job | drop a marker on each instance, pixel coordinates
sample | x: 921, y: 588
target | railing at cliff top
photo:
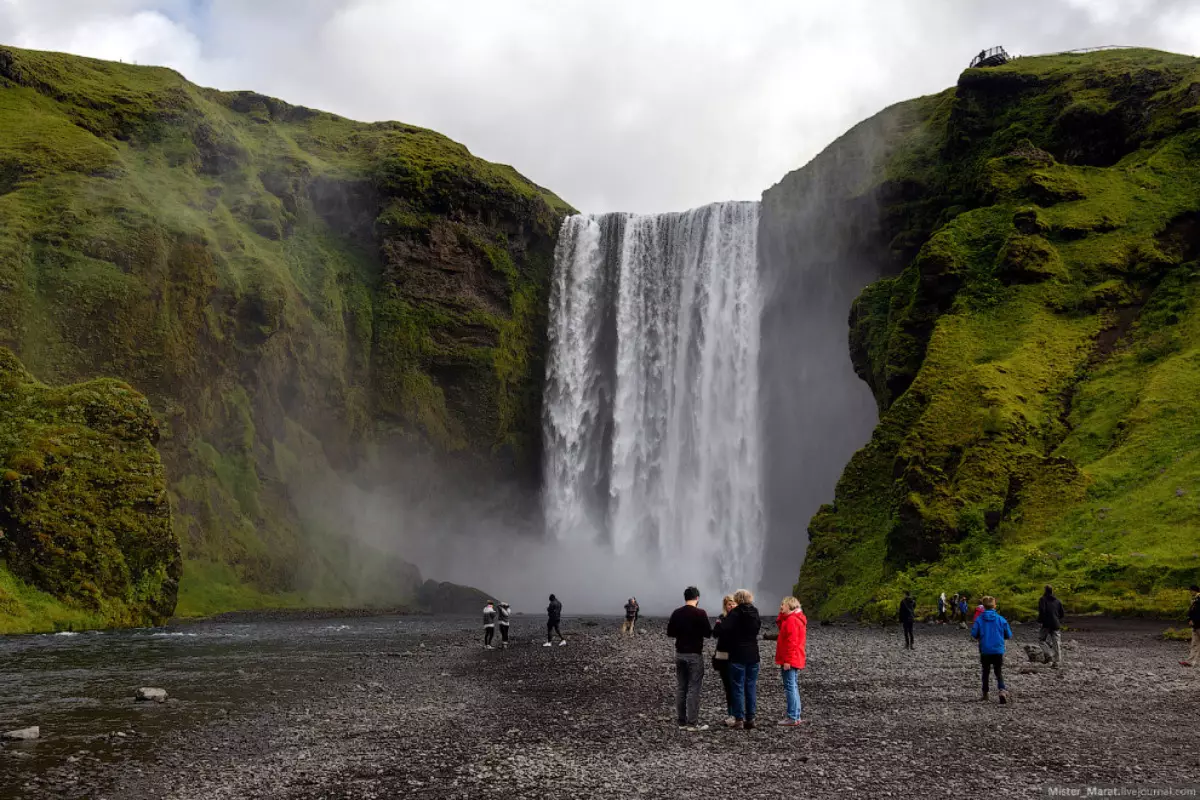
x: 996, y: 56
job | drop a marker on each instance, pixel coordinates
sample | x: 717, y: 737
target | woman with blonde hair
x: 740, y: 635
x: 789, y: 654
x: 720, y: 659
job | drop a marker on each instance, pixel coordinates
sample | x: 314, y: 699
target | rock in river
x: 23, y: 734
x: 148, y: 694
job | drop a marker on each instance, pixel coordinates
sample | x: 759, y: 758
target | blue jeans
x: 743, y: 682
x: 792, y: 689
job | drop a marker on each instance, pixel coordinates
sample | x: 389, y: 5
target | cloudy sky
x: 638, y: 105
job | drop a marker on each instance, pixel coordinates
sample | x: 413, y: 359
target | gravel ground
x: 446, y: 719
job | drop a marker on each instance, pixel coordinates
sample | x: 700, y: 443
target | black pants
x: 552, y: 628
x: 689, y: 677
x: 908, y: 633
x: 504, y: 633
x: 488, y: 632
x: 992, y: 662
x: 721, y: 665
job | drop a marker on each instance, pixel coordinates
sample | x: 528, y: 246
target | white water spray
x: 652, y: 415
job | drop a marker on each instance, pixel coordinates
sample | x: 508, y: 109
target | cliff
x: 296, y: 294
x: 1034, y: 352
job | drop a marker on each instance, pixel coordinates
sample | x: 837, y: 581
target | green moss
x: 254, y: 267
x: 1032, y: 361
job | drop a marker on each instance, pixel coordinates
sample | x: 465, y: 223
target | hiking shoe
x: 563, y: 643
x: 545, y: 644
x: 790, y: 723
x: 1003, y: 698
x: 749, y: 725
x: 738, y: 725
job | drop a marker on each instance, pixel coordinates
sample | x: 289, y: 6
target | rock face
x: 451, y: 598
x: 1034, y: 358
x: 298, y: 295
x: 84, y: 515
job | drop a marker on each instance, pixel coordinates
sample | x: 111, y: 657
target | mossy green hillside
x: 291, y: 290
x: 1037, y: 358
x: 85, y: 522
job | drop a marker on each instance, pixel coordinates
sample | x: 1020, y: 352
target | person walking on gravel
x: 1050, y: 615
x: 504, y: 619
x: 908, y: 617
x: 789, y: 655
x: 631, y: 611
x: 689, y: 627
x: 942, y: 608
x: 1194, y: 620
x: 489, y: 625
x: 963, y: 606
x: 740, y: 630
x: 720, y: 659
x: 991, y: 630
x: 553, y: 618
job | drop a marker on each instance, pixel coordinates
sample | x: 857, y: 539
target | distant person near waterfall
x: 504, y: 618
x: 1193, y: 616
x: 553, y: 618
x: 689, y: 627
x: 489, y: 625
x: 631, y: 613
x: 908, y: 616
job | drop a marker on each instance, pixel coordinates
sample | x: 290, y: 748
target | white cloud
x: 637, y: 106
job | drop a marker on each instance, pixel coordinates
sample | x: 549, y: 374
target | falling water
x: 652, y: 427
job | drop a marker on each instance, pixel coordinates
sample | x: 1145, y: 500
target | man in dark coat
x: 1050, y: 615
x: 553, y: 617
x: 908, y: 615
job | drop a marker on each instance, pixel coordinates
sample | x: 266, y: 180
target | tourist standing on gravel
x: 504, y: 618
x: 942, y: 608
x: 908, y: 616
x: 489, y: 625
x: 991, y: 630
x: 631, y: 611
x: 740, y: 635
x: 1194, y: 620
x: 553, y: 617
x: 689, y: 627
x: 789, y: 655
x: 963, y: 606
x: 1050, y: 615
x: 720, y: 659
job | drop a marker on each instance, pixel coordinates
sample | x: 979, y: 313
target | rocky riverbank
x: 416, y: 708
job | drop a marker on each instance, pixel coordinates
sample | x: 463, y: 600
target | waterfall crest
x: 651, y: 401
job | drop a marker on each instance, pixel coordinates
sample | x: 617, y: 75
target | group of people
x: 735, y: 657
x: 494, y: 615
x: 957, y: 608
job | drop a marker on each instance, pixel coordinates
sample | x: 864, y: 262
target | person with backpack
x: 553, y: 618
x: 504, y: 619
x: 631, y: 611
x: 991, y: 631
x: 789, y: 655
x: 489, y: 625
x: 962, y: 608
x: 1050, y: 616
x: 908, y: 617
x: 739, y: 631
x: 1193, y: 616
x: 689, y: 627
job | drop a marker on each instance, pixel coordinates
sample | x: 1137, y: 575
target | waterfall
x: 651, y: 402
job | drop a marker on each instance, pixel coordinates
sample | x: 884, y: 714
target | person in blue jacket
x: 991, y: 630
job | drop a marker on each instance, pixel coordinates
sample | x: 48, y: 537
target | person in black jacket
x: 553, y: 617
x: 689, y: 626
x: 1050, y: 615
x: 1194, y: 620
x: 739, y: 633
x: 720, y: 659
x: 908, y: 615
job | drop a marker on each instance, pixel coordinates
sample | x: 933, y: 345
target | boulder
x: 147, y: 695
x: 24, y: 734
x: 1036, y: 654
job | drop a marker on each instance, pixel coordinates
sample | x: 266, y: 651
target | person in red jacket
x: 789, y: 654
